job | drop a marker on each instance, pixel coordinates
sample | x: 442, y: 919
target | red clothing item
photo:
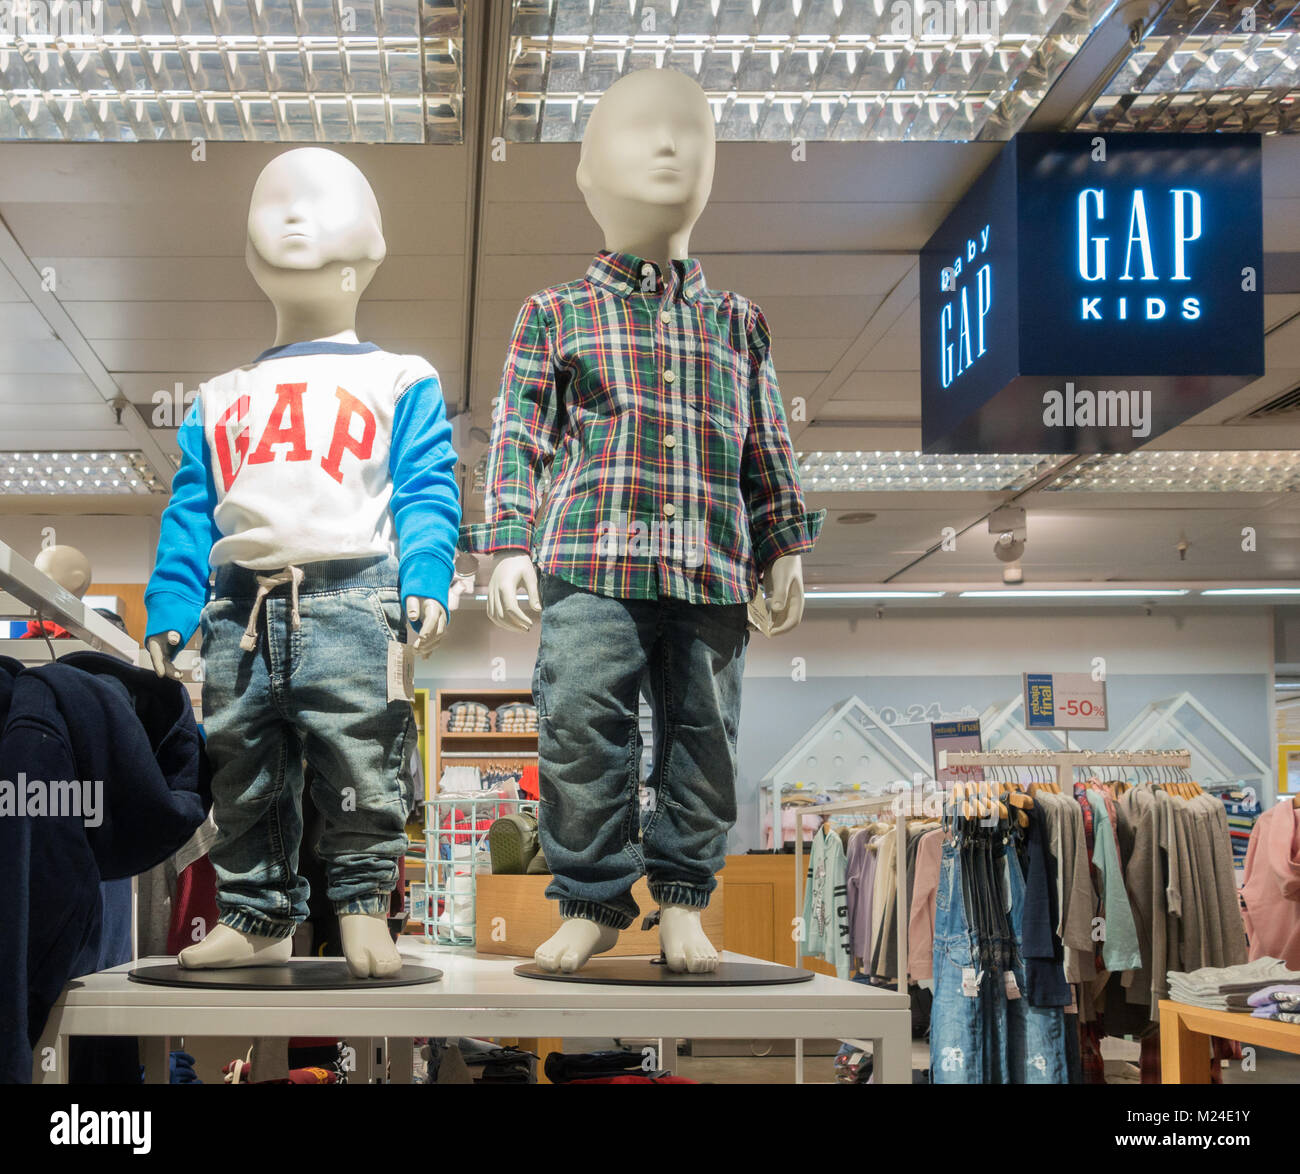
x: 36, y: 630
x: 1272, y: 889
x: 196, y: 897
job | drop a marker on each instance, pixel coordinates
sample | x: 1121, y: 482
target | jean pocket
x: 539, y: 690
x: 387, y: 609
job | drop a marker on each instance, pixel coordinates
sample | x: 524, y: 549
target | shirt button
x: 670, y: 441
x: 669, y: 510
x: 664, y: 316
x: 669, y: 376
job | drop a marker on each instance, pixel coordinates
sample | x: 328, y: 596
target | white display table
x: 477, y: 996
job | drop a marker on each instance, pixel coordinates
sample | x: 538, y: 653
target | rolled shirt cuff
x: 489, y: 537
x: 426, y: 576
x: 169, y: 612
x: 794, y: 535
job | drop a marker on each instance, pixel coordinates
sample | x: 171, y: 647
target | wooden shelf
x: 455, y: 747
x: 490, y: 735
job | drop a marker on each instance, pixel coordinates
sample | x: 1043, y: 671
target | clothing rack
x: 1064, y: 762
x: 890, y: 802
x: 25, y: 594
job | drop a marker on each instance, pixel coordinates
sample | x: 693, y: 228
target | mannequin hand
x: 512, y: 572
x: 783, y: 586
x: 428, y: 623
x: 161, y: 654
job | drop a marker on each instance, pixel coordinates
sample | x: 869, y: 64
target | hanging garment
x: 1272, y: 889
x: 826, y: 904
x: 920, y: 926
x: 86, y: 717
x: 1120, y: 949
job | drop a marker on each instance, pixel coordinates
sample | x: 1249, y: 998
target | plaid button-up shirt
x: 654, y: 407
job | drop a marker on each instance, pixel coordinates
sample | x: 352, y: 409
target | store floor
x: 1121, y: 1058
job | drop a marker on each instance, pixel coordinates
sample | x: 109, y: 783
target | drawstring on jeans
x: 265, y: 585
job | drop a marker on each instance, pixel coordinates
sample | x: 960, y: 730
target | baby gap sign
x: 1091, y: 292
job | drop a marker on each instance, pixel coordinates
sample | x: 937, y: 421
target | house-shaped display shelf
x: 847, y: 749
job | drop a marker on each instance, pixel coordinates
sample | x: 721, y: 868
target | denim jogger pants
x: 315, y: 689
x: 594, y: 653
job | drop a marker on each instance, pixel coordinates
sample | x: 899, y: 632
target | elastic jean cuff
x: 251, y: 923
x: 371, y: 903
x: 677, y: 893
x: 594, y: 911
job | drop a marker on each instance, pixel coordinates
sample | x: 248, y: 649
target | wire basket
x: 456, y: 851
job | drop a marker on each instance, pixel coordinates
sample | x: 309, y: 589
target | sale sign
x: 1064, y: 701
x: 958, y: 735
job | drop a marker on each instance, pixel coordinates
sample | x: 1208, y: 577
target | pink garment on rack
x: 1272, y: 889
x: 920, y: 924
x: 810, y: 824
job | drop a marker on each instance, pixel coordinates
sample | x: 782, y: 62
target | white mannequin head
x: 315, y: 240
x: 646, y: 166
x: 67, y: 566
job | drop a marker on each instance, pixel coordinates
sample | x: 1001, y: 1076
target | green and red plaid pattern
x: 654, y: 407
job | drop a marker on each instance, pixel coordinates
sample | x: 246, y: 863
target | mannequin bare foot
x: 368, y: 946
x: 573, y: 944
x: 225, y: 948
x: 683, y: 941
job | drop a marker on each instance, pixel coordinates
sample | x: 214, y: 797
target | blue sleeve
x: 426, y: 502
x: 178, y: 587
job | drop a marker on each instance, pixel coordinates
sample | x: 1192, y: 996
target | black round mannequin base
x: 649, y: 972
x: 304, y: 976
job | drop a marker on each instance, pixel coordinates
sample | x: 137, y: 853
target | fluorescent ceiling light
x: 58, y: 473
x: 1253, y: 471
x: 894, y: 471
x: 1200, y: 69
x: 1251, y: 591
x: 875, y: 594
x: 800, y: 69
x: 1075, y: 593
x: 314, y: 71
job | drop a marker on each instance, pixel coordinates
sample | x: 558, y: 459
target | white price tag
x: 401, y: 672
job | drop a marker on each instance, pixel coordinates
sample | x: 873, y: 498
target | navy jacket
x: 91, y: 717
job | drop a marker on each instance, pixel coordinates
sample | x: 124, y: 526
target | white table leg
x: 155, y: 1052
x: 401, y: 1060
x: 50, y: 1056
x: 892, y: 1055
x: 798, y: 1061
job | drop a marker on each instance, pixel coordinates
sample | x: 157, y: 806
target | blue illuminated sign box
x: 1091, y: 292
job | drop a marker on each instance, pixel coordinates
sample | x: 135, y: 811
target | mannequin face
x: 311, y: 210
x: 647, y: 155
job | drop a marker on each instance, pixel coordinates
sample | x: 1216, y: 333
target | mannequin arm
x: 783, y: 585
x: 779, y: 521
x: 514, y: 570
x: 525, y: 428
x: 425, y: 502
x: 428, y: 620
x: 178, y: 586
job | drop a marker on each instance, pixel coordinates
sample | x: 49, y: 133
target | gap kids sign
x: 1092, y: 291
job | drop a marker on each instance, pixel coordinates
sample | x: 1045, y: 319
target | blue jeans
x: 315, y: 690
x: 1035, y: 1035
x: 594, y: 654
x: 958, y: 1035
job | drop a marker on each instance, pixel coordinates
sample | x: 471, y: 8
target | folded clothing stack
x: 516, y: 717
x: 1280, y: 1001
x: 468, y: 717
x: 1224, y: 988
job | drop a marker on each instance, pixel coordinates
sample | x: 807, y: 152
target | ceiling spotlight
x: 1009, y: 548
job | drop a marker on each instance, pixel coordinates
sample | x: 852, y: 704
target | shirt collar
x: 317, y: 347
x: 625, y: 274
